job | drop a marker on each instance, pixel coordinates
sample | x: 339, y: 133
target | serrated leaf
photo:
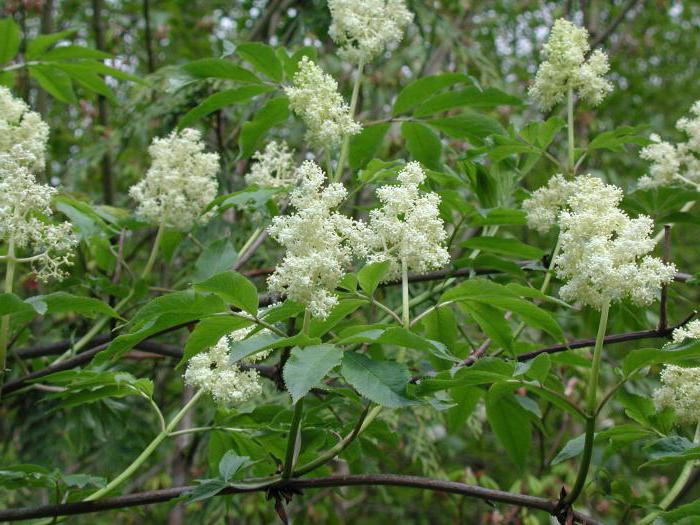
x: 420, y: 89
x: 383, y: 382
x: 511, y: 424
x: 233, y: 288
x: 61, y: 302
x: 275, y: 111
x: 221, y: 100
x: 219, y: 68
x: 422, y: 143
x: 263, y: 58
x: 573, y: 448
x: 306, y: 367
x: 231, y: 464
x: 370, y: 275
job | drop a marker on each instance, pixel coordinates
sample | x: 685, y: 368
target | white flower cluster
x: 673, y: 163
x: 274, y: 167
x: 226, y: 382
x: 314, y: 97
x: 604, y: 253
x: 180, y: 183
x: 363, y: 28
x: 543, y: 207
x: 408, y: 226
x: 23, y: 135
x: 25, y: 204
x: 680, y: 391
x: 689, y: 331
x: 320, y: 243
x: 566, y: 68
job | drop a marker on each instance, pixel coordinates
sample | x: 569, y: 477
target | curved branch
x: 293, y: 485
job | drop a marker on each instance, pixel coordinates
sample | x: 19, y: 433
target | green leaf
x: 275, y: 111
x: 319, y: 327
x: 263, y: 58
x: 573, y: 448
x: 80, y: 387
x: 471, y: 96
x: 233, y: 288
x: 306, y: 367
x: 220, y: 100
x: 72, y: 52
x: 642, y: 357
x: 421, y: 89
x: 87, y: 78
x: 511, y: 424
x: 492, y: 323
x: 671, y: 450
x: 371, y: 275
x: 468, y: 125
x: 254, y: 344
x: 231, y: 464
x: 679, y: 514
x: 383, y: 382
x: 56, y: 82
x: 42, y: 42
x: 219, y: 68
x: 61, y: 302
x: 364, y: 145
x: 422, y: 143
x: 616, y: 139
x: 208, y: 332
x: 205, y: 489
x: 510, y: 247
x: 11, y: 304
x: 501, y: 217
x: 218, y: 256
x: 10, y: 39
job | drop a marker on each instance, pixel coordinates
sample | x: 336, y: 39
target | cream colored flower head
x: 407, y: 227
x: 24, y: 208
x: 23, y: 135
x: 363, y: 28
x: 604, y: 253
x: 675, y: 163
x: 680, y: 390
x: 320, y: 243
x: 228, y: 383
x: 273, y: 167
x: 689, y: 331
x: 543, y: 207
x: 314, y: 97
x: 180, y: 183
x: 566, y: 68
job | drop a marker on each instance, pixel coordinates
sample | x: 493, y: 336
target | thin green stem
x: 154, y: 253
x: 293, y: 440
x: 365, y: 419
x: 250, y: 240
x: 570, y: 126
x: 5, y: 322
x: 257, y: 321
x: 677, y: 487
x: 307, y: 322
x: 346, y: 139
x: 591, y: 407
x: 381, y: 306
x: 152, y: 446
x: 405, y: 307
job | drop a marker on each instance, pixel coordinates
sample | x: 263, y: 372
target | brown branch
x: 292, y: 486
x: 600, y: 39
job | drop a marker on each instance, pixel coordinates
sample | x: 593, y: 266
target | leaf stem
x: 152, y: 446
x: 154, y: 252
x: 591, y: 407
x: 293, y: 440
x: 570, y: 126
x: 346, y: 139
x: 5, y: 322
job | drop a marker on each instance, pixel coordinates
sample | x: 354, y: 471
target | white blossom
x: 689, y: 331
x: 180, y: 183
x: 680, y: 390
x: 604, y: 253
x: 363, y: 28
x: 320, y: 243
x: 675, y: 163
x: 274, y: 167
x: 566, y: 68
x: 23, y: 135
x: 543, y: 207
x: 314, y: 97
x: 25, y: 206
x: 407, y: 227
x: 213, y: 372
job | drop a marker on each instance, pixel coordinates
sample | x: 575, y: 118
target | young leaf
x: 306, y: 367
x: 370, y: 275
x: 233, y: 288
x: 383, y: 382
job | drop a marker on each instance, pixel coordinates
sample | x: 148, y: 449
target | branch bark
x: 292, y: 486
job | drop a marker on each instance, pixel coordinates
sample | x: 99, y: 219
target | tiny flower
x: 604, y: 253
x: 566, y: 68
x: 689, y: 331
x: 675, y: 163
x: 274, y: 167
x: 314, y: 97
x: 543, y: 207
x: 23, y: 135
x: 364, y: 28
x: 680, y: 390
x: 226, y: 382
x: 408, y: 226
x: 180, y: 183
x: 24, y: 208
x: 320, y: 243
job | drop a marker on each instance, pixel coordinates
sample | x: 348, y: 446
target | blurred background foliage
x: 653, y: 48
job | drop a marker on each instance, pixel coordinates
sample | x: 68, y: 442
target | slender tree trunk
x: 151, y: 61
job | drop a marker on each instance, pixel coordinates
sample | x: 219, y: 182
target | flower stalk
x: 5, y: 322
x: 344, y: 148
